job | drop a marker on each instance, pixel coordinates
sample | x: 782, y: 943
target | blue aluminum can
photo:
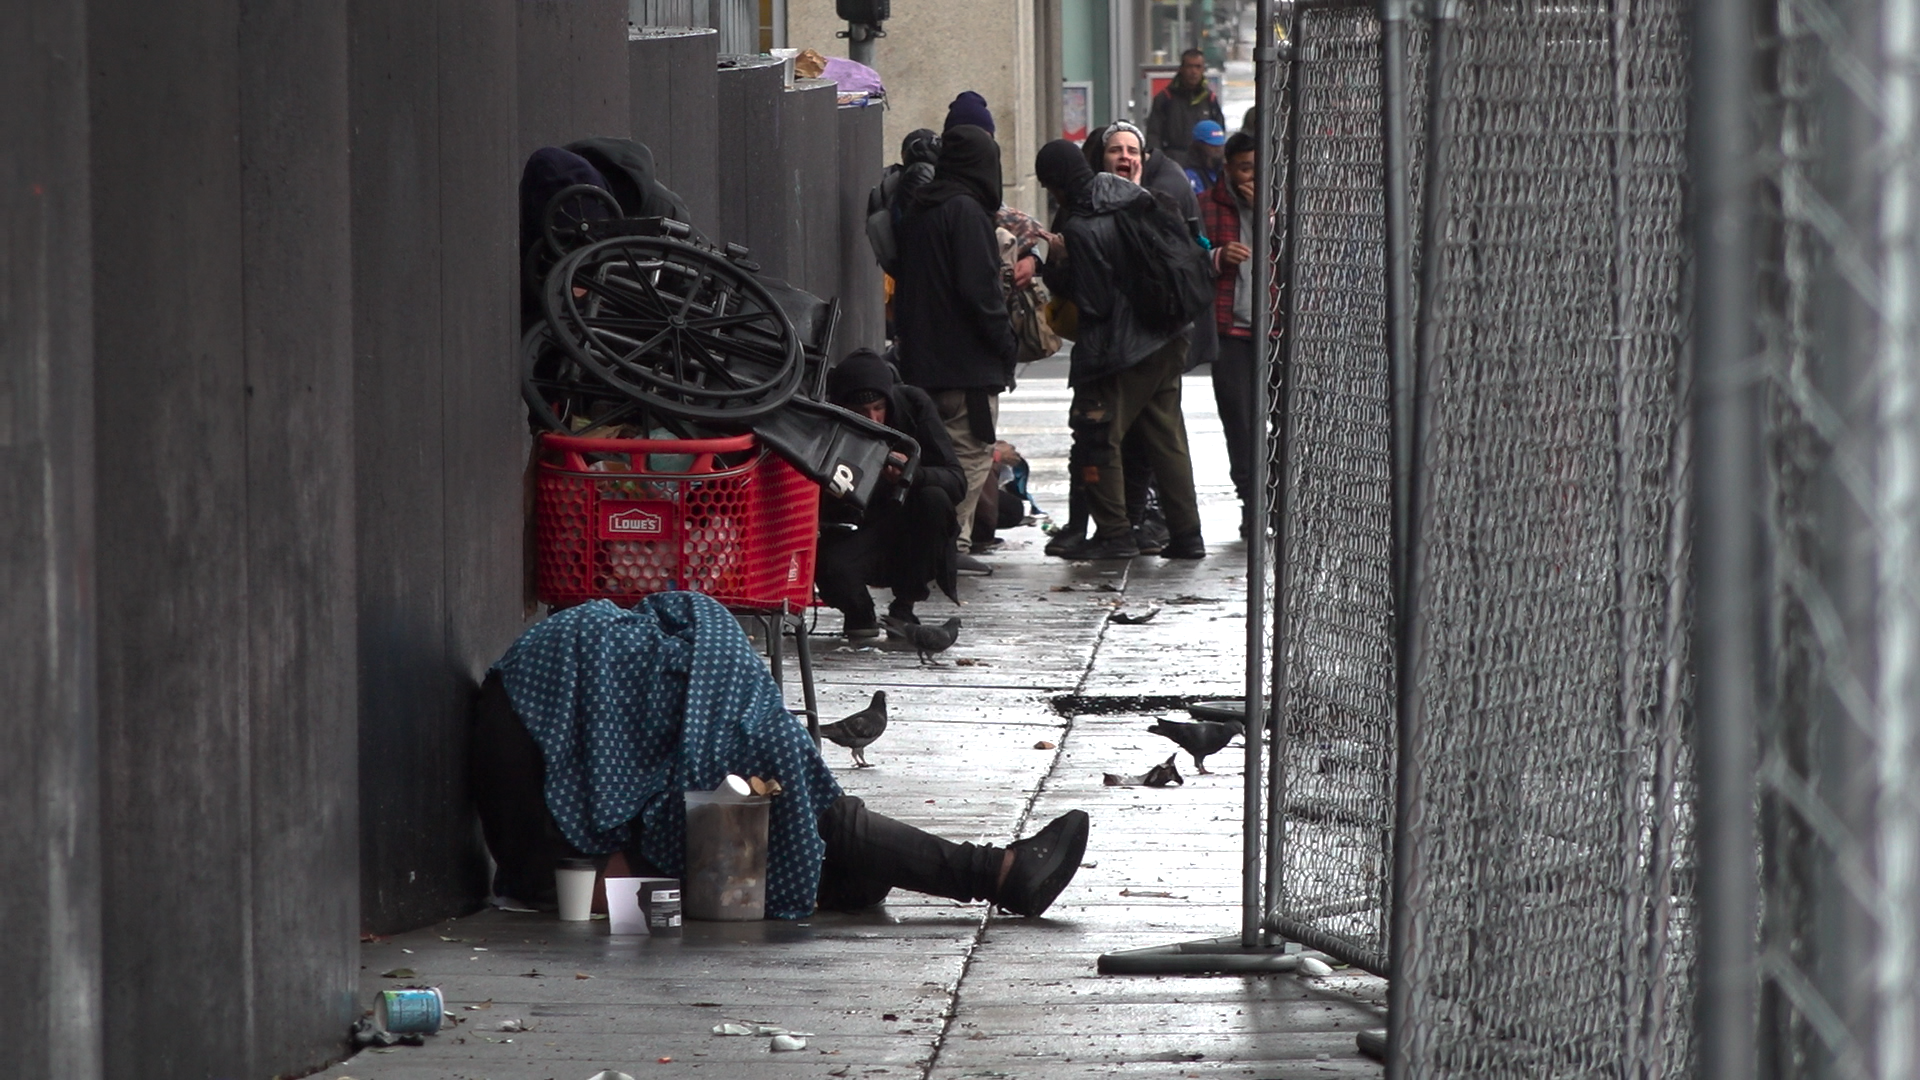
x: 408, y: 1012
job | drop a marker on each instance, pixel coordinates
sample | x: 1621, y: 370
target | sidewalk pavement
x: 976, y: 750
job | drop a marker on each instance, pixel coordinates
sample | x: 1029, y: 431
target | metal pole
x: 1725, y: 491
x: 1266, y: 54
x: 1280, y: 416
x: 1410, y: 404
x: 860, y: 43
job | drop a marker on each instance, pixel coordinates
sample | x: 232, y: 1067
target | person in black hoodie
x: 1124, y: 375
x: 901, y: 544
x: 955, y: 338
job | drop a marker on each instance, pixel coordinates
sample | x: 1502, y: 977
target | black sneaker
x: 1110, y: 547
x: 903, y: 611
x: 1062, y: 543
x: 1190, y: 546
x: 1147, y: 542
x: 1043, y: 864
x: 967, y: 564
x: 860, y: 628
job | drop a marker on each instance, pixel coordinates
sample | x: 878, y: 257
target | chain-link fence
x: 1333, y: 633
x: 1549, y: 916
x: 1546, y: 929
x: 1839, y: 753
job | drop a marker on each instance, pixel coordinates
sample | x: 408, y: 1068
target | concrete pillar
x: 441, y: 438
x: 673, y: 94
x: 862, y: 292
x: 49, y: 852
x: 750, y: 90
x: 222, y: 416
x: 810, y: 157
x: 572, y: 62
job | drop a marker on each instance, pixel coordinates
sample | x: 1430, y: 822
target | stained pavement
x: 928, y: 988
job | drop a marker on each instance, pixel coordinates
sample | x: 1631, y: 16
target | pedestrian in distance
x: 1186, y: 101
x: 950, y: 308
x: 1231, y: 216
x: 1130, y: 353
x: 1209, y: 157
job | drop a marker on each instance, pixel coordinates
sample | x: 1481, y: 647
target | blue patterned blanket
x: 633, y: 707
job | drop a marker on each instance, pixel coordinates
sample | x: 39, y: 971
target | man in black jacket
x: 949, y: 306
x: 1123, y: 375
x: 1186, y: 101
x: 901, y: 544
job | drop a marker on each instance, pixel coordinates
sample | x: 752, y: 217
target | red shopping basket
x: 618, y: 519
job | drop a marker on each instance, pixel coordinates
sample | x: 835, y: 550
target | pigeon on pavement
x: 859, y: 731
x: 1200, y: 738
x: 926, y: 640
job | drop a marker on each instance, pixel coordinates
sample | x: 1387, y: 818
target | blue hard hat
x: 1206, y: 131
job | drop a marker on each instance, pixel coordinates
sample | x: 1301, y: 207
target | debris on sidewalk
x: 1314, y: 967
x: 741, y: 1027
x: 368, y: 1035
x: 787, y: 1042
x: 1165, y: 774
x: 1043, y: 745
x: 610, y: 1074
x: 1151, y: 894
x: 1127, y: 618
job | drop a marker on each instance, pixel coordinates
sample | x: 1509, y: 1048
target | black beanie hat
x: 860, y: 378
x: 1062, y: 167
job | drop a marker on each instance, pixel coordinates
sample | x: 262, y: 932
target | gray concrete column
x: 810, y: 149
x: 862, y: 290
x: 441, y: 438
x: 572, y: 71
x: 49, y: 852
x: 673, y: 94
x: 223, y: 424
x: 750, y: 89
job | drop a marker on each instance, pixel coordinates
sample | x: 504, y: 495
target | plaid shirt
x: 1220, y: 213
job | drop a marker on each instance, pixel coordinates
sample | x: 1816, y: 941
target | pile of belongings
x: 636, y: 325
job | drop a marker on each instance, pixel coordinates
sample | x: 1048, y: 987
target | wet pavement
x: 976, y: 750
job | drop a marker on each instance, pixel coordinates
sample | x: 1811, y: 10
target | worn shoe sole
x: 1051, y: 857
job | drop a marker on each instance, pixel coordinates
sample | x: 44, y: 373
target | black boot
x: 1075, y: 530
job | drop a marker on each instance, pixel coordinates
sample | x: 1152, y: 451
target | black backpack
x: 1167, y: 276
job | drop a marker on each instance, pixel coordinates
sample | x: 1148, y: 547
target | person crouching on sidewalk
x: 901, y: 544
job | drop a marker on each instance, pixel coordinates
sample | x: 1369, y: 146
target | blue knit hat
x: 969, y: 108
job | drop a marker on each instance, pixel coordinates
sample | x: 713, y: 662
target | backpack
x: 880, y: 219
x: 1167, y: 276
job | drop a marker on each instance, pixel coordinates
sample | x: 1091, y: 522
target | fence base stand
x: 1372, y: 1044
x: 1209, y: 956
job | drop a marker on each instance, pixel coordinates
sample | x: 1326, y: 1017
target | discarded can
x: 660, y: 903
x: 408, y: 1012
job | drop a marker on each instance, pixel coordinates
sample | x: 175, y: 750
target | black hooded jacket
x: 633, y: 179
x: 1111, y: 338
x: 947, y: 304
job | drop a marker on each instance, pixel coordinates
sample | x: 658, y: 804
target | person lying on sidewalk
x: 595, y: 722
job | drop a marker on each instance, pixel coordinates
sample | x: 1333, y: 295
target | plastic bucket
x: 726, y: 878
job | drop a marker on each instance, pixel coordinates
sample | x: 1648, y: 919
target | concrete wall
x: 442, y: 442
x: 934, y: 51
x: 572, y: 71
x: 49, y: 850
x: 673, y: 94
x: 222, y: 406
x: 862, y: 292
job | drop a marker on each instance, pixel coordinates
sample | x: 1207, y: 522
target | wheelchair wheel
x: 677, y: 327
x: 569, y: 220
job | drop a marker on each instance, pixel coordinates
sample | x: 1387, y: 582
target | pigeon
x: 1200, y: 738
x: 859, y: 731
x: 926, y: 640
